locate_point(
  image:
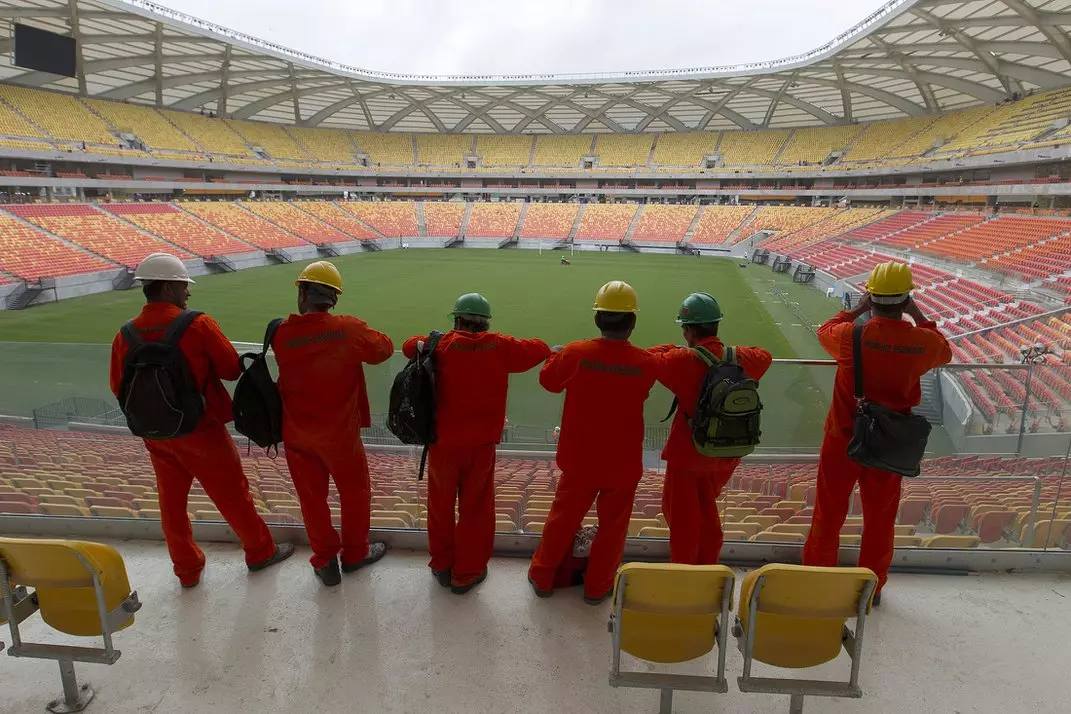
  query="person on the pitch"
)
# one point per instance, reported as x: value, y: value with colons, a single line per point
x: 600, y: 448
x: 897, y: 354
x: 693, y: 481
x: 325, y: 406
x: 472, y: 368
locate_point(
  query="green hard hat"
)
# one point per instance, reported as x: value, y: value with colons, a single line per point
x: 472, y: 304
x: 698, y: 309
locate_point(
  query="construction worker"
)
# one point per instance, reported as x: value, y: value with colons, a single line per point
x: 325, y: 406
x: 208, y: 454
x: 895, y: 354
x: 472, y: 368
x: 693, y: 482
x: 600, y: 449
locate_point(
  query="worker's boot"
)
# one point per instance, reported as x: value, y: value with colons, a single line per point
x: 375, y: 552
x: 329, y: 574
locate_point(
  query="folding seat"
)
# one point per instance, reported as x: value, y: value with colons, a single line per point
x: 635, y: 525
x: 762, y: 521
x: 793, y: 616
x: 112, y: 512
x: 668, y: 614
x: 400, y: 515
x: 769, y: 536
x: 62, y: 509
x: 80, y: 589
x: 950, y: 541
x: 389, y: 522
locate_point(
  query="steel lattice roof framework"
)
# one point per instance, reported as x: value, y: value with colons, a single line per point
x: 910, y: 58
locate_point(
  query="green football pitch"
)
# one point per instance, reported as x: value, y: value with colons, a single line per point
x: 60, y: 350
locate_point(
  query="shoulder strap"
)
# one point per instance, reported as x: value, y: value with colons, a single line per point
x: 432, y: 341
x: 178, y: 326
x: 269, y: 334
x: 706, y: 355
x: 730, y: 355
x: 857, y: 359
x: 131, y: 335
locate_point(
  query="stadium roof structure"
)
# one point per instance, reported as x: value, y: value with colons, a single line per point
x: 909, y: 58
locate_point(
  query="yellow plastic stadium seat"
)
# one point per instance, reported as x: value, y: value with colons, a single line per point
x: 63, y: 509
x: 669, y: 613
x: 794, y: 616
x: 536, y: 527
x: 112, y: 512
x: 735, y: 534
x: 208, y: 515
x: 798, y: 528
x: 74, y: 582
x: 763, y: 521
x: 638, y: 524
x: 1047, y: 534
x: 654, y: 532
x: 778, y: 537
x: 853, y: 539
x: 505, y: 525
x: 907, y: 541
x: 393, y: 522
x: 394, y: 513
x: 951, y: 541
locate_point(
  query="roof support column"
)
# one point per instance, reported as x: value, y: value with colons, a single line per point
x: 76, y: 32
x: 158, y: 57
x: 224, y: 77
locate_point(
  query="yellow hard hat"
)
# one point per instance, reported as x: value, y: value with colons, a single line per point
x: 616, y: 296
x: 322, y: 273
x: 890, y: 278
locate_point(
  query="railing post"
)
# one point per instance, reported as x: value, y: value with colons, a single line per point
x: 1026, y: 405
x: 1034, y: 505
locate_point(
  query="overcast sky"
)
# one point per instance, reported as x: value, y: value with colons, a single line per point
x: 493, y: 36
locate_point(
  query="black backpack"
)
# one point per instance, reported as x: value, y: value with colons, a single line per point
x: 411, y: 416
x: 727, y: 418
x: 258, y: 408
x: 158, y: 394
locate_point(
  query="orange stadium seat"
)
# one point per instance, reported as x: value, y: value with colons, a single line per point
x: 663, y: 224
x: 394, y: 219
x: 493, y: 220
x: 605, y: 221
x: 174, y: 226
x: 331, y: 214
x: 717, y: 222
x: 242, y: 224
x: 31, y: 255
x: 442, y: 219
x: 99, y: 232
x: 292, y: 218
x: 552, y: 221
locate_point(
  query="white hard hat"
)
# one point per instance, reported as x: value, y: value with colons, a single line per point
x: 162, y: 266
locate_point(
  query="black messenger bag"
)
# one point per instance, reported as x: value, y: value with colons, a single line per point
x: 882, y: 438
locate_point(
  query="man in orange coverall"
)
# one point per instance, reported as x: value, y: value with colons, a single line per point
x: 600, y: 451
x: 472, y: 368
x: 325, y: 406
x: 693, y: 481
x: 895, y: 355
x: 208, y: 454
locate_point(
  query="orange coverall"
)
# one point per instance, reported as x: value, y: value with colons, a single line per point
x: 600, y: 453
x: 694, y: 482
x: 208, y: 454
x: 325, y: 406
x: 471, y: 380
x: 895, y: 355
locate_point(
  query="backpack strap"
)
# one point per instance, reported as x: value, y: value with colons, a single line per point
x: 729, y: 356
x: 131, y: 335
x: 706, y: 355
x: 857, y: 359
x: 269, y: 334
x: 432, y: 342
x: 178, y: 326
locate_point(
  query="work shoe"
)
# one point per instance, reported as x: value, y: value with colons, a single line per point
x: 876, y: 601
x: 188, y: 584
x: 462, y: 589
x: 329, y: 574
x: 537, y: 591
x: 600, y: 599
x: 442, y: 577
x: 375, y: 552
x: 282, y: 552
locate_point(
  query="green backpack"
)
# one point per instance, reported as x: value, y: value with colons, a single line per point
x: 726, y: 423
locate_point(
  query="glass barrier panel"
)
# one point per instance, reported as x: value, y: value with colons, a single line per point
x: 994, y: 476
